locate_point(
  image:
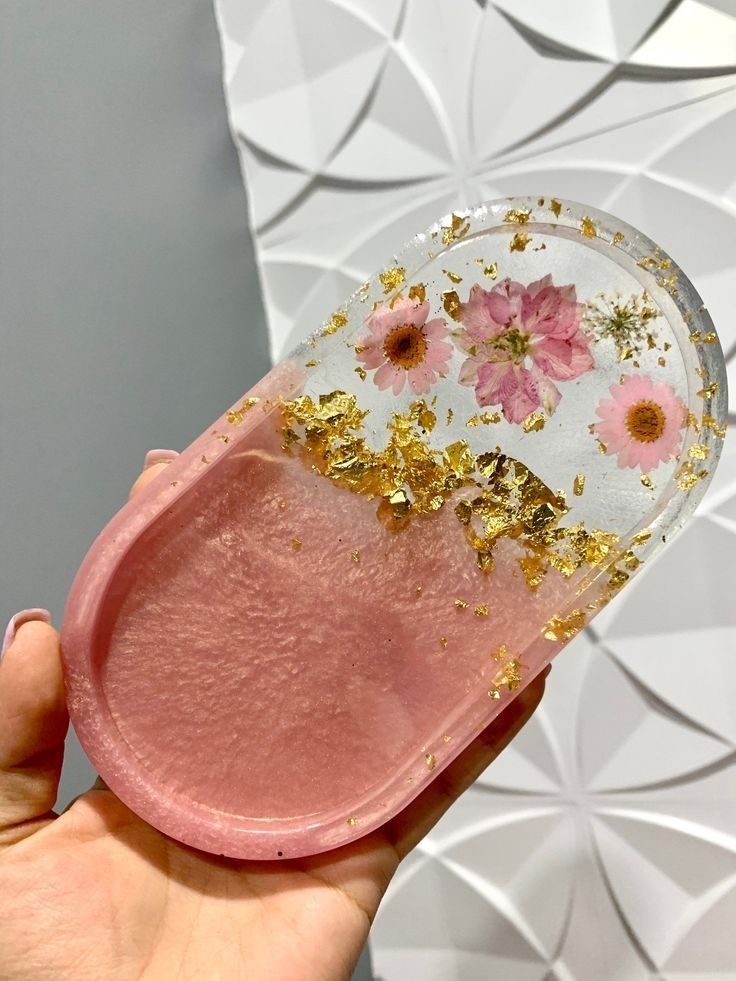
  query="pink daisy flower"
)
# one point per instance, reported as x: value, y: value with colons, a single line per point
x: 405, y: 347
x: 520, y: 339
x: 641, y: 423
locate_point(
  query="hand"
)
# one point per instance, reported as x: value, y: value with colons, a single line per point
x: 97, y: 893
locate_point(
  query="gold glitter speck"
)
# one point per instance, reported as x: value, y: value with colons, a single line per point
x: 519, y: 242
x: 450, y: 414
x: 491, y: 270
x: 443, y: 641
x: 481, y: 610
x: 460, y: 604
x: 618, y: 237
x: 355, y: 555
x: 578, y: 485
x: 564, y: 628
x: 312, y: 363
x: 431, y: 760
x: 647, y: 481
x: 555, y: 207
x: 494, y: 693
x: 361, y: 373
x: 296, y: 544
x: 452, y: 276
x: 352, y: 821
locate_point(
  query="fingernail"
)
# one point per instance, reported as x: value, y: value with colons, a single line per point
x: 159, y: 456
x: 25, y: 616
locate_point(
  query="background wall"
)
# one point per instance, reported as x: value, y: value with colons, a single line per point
x: 603, y: 844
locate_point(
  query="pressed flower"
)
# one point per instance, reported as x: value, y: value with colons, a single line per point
x: 641, y: 422
x: 519, y: 341
x: 403, y: 346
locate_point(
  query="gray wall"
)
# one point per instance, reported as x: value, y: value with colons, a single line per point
x: 130, y: 310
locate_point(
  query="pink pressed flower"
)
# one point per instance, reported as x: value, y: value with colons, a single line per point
x: 519, y: 340
x: 404, y: 346
x: 641, y: 423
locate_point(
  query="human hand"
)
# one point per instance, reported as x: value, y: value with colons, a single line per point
x: 96, y: 892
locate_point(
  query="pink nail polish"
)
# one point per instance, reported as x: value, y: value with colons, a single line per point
x: 25, y: 616
x: 159, y: 456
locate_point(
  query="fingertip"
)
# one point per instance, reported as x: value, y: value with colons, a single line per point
x: 146, y: 476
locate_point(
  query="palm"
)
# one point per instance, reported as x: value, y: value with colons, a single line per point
x: 97, y: 892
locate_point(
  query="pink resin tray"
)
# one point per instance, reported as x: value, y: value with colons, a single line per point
x: 292, y: 631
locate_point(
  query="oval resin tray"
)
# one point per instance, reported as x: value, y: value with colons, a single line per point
x: 292, y: 630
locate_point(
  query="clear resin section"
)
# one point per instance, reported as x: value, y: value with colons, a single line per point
x: 377, y: 548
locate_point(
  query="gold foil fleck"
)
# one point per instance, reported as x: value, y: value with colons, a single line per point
x: 494, y: 693
x: 501, y: 654
x: 443, y: 641
x: 421, y: 413
x: 337, y: 322
x: 392, y: 278
x: 452, y: 276
x: 296, y: 544
x: 446, y: 738
x: 282, y: 504
x: 352, y: 821
x: 360, y: 372
x: 418, y: 292
x: 355, y: 555
x: 698, y: 451
x: 618, y: 237
x: 510, y: 675
x: 578, y: 485
x: 587, y: 228
x: 452, y: 305
x: 236, y: 416
x: 450, y: 414
x: 647, y: 481
x: 555, y: 207
x: 710, y: 423
x: 312, y: 363
x: 519, y: 216
x: 460, y: 604
x: 223, y: 438
x: 565, y: 628
x: 458, y: 229
x: 534, y: 569
x: 661, y: 362
x: 534, y: 423
x: 481, y: 610
x: 491, y: 270
x: 602, y: 448
x: 519, y: 242
x: 709, y: 390
x: 640, y: 537
x: 431, y: 761
x: 204, y: 459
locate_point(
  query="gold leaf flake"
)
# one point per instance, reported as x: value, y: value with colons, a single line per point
x: 282, y: 504
x: 534, y: 570
x: 450, y: 414
x: 443, y: 641
x: 509, y: 676
x: 710, y: 423
x: 661, y: 362
x: 491, y: 270
x: 204, y: 459
x: 451, y: 303
x: 431, y: 761
x: 355, y: 555
x: 236, y: 416
x: 587, y: 228
x: 578, y: 485
x: 418, y: 292
x: 564, y: 628
x: 555, y: 207
x: 500, y: 654
x: 602, y: 448
x: 460, y: 604
x: 640, y: 537
x: 709, y: 391
x: 481, y: 610
x: 494, y: 693
x: 352, y: 821
x: 647, y: 481
x: 223, y: 438
x: 392, y: 278
x: 360, y: 372
x: 337, y: 322
x: 534, y: 423
x: 519, y: 242
x: 520, y: 216
x: 452, y: 276
x: 296, y: 544
x: 458, y: 229
x: 618, y: 237
x: 698, y: 451
x: 446, y: 738
x: 312, y: 363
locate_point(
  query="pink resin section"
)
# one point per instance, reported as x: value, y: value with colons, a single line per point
x: 276, y: 682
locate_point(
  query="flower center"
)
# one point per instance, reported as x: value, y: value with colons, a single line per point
x: 405, y: 346
x: 645, y: 421
x: 514, y: 343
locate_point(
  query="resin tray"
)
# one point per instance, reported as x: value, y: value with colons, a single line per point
x: 291, y: 632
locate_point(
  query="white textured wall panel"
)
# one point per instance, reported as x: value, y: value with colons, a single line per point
x: 602, y: 845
